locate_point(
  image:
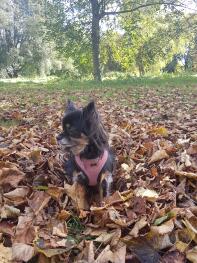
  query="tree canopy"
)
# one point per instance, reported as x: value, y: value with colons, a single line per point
x: 93, y: 38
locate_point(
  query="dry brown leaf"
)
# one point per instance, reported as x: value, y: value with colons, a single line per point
x: 38, y: 201
x: 87, y: 254
x: 64, y: 215
x: 105, y: 256
x: 192, y: 149
x: 22, y: 252
x: 5, y: 254
x: 9, y: 212
x: 126, y: 167
x: 181, y: 246
x: 186, y: 174
x: 160, y: 131
x: 36, y: 155
x: 25, y: 231
x: 116, y: 237
x: 116, y: 218
x: 78, y: 195
x: 114, y: 198
x: 105, y: 238
x: 49, y: 253
x: 7, y: 228
x: 185, y: 158
x: 138, y: 225
x: 192, y: 254
x: 119, y: 256
x: 165, y: 228
x: 158, y: 156
x: 191, y: 227
x: 148, y: 194
x: 55, y: 192
x: 17, y: 196
x: 59, y: 230
x: 11, y: 176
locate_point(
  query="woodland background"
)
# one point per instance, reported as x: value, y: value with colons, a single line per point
x: 145, y: 53
x: 86, y: 39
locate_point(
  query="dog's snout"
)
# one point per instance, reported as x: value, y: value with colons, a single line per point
x: 60, y: 137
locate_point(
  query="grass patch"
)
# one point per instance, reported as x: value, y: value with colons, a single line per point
x: 75, y: 227
x: 8, y: 123
x: 128, y: 91
x: 71, y: 85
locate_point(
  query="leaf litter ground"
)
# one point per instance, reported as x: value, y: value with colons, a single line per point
x: 151, y: 216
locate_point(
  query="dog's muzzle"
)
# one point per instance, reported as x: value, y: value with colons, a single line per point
x: 63, y: 141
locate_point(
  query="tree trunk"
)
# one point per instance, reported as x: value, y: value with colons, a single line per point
x: 96, y: 40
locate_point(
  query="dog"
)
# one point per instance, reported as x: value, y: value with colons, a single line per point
x: 91, y: 162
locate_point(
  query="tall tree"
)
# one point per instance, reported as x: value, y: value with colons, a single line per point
x: 89, y: 15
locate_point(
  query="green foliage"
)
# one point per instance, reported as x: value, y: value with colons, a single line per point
x: 53, y: 37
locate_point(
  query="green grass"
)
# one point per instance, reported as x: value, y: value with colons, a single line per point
x: 8, y: 123
x: 126, y: 91
x: 61, y: 84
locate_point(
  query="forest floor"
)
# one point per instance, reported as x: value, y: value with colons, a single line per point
x: 151, y: 216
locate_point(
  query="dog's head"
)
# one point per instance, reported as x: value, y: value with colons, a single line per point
x: 81, y: 127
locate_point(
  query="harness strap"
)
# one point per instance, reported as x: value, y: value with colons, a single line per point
x: 92, y: 167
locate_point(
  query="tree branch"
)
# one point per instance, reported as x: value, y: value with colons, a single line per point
x: 141, y: 6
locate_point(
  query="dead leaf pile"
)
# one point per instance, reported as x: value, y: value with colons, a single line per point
x: 151, y: 215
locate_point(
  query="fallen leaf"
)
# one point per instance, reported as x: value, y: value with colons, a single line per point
x: 7, y: 228
x: 138, y: 225
x: 185, y: 158
x: 6, y: 254
x: 126, y: 167
x: 192, y: 254
x: 148, y: 194
x: 22, y: 252
x: 105, y: 238
x: 192, y: 149
x: 186, y: 174
x: 165, y: 228
x: 9, y: 212
x: 49, y: 253
x: 64, y: 215
x: 116, y: 218
x: 114, y: 198
x: 25, y: 231
x: 181, y: 246
x: 55, y: 192
x: 36, y: 155
x: 119, y: 256
x: 105, y: 256
x: 78, y: 195
x: 38, y: 201
x: 164, y: 218
x: 158, y: 155
x: 17, y: 196
x: 11, y: 176
x: 143, y: 249
x: 60, y: 230
x: 160, y: 131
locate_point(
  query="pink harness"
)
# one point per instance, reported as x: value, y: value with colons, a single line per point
x: 92, y: 167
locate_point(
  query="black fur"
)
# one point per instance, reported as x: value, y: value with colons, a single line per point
x: 83, y: 134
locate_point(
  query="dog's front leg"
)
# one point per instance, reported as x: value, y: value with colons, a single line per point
x: 105, y: 185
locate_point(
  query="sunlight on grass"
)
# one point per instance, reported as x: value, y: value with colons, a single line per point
x: 26, y: 80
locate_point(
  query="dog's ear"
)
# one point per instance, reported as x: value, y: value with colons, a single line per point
x: 70, y: 106
x: 89, y: 110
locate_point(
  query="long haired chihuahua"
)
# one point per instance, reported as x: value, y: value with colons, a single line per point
x: 91, y: 161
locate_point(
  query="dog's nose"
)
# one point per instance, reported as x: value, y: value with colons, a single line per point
x: 59, y: 137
